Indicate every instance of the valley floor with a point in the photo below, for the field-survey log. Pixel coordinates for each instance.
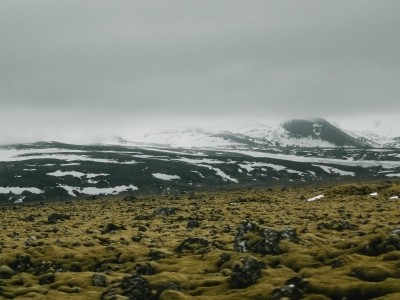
(240, 244)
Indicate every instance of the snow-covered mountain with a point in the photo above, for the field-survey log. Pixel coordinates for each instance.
(296, 132)
(375, 140)
(188, 138)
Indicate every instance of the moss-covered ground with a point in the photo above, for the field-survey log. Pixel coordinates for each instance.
(219, 245)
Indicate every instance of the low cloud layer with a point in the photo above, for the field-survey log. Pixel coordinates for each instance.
(86, 69)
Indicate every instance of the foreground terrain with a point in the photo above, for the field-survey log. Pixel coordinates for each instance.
(241, 244)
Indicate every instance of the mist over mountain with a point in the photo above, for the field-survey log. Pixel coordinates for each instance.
(316, 132)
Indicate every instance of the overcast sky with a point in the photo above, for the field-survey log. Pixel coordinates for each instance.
(82, 70)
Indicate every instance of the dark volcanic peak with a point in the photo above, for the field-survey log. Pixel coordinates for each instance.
(320, 129)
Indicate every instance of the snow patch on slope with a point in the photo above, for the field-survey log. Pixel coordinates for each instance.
(98, 191)
(19, 190)
(165, 176)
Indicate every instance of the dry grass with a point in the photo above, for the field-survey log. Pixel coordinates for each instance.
(347, 246)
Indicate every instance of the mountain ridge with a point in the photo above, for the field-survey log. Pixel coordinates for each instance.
(307, 133)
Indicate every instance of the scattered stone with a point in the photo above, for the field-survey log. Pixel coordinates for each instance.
(252, 238)
(142, 218)
(46, 267)
(32, 242)
(193, 223)
(76, 268)
(22, 264)
(55, 217)
(142, 228)
(144, 269)
(47, 278)
(156, 255)
(111, 228)
(289, 234)
(99, 279)
(14, 235)
(293, 289)
(379, 245)
(165, 211)
(245, 273)
(6, 272)
(137, 238)
(337, 263)
(132, 287)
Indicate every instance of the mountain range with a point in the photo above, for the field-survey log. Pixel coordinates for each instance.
(297, 152)
(295, 133)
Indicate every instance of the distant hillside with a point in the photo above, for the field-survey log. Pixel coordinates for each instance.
(321, 130)
(49, 171)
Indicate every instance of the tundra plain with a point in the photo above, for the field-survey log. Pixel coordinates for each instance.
(253, 243)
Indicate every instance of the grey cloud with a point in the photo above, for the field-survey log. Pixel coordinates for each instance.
(198, 59)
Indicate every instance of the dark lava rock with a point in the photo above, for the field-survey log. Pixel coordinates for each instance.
(193, 223)
(47, 278)
(263, 241)
(156, 255)
(142, 228)
(110, 228)
(137, 238)
(192, 244)
(165, 211)
(76, 268)
(293, 289)
(55, 217)
(246, 273)
(142, 217)
(132, 287)
(338, 225)
(337, 263)
(32, 242)
(380, 245)
(99, 280)
(144, 269)
(22, 264)
(46, 267)
(14, 235)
